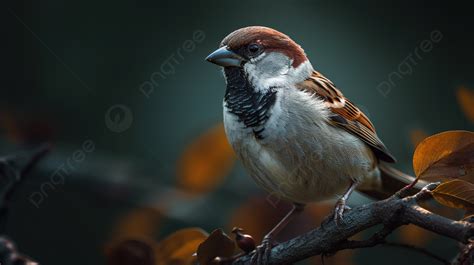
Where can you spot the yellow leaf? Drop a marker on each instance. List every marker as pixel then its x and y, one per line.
pixel 218 244
pixel 206 162
pixel 455 194
pixel 445 155
pixel 179 247
pixel 466 101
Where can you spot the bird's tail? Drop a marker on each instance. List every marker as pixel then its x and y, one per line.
pixel 392 180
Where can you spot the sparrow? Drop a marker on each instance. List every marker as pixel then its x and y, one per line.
pixel 293 130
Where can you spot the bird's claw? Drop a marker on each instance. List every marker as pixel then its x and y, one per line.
pixel 339 210
pixel 262 253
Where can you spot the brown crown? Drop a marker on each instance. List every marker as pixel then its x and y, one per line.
pixel 272 40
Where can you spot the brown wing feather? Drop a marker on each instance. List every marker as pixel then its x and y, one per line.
pixel 345 114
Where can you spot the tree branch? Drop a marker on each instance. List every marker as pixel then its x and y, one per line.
pixel 13 171
pixel 391 213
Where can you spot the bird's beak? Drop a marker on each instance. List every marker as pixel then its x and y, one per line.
pixel 225 57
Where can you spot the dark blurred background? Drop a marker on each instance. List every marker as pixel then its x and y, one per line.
pixel 128 79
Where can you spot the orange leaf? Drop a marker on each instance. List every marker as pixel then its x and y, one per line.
pixel 179 247
pixel 417 135
pixel 415 235
pixel 138 223
pixel 469 214
pixel 445 155
pixel 206 161
pixel 218 244
pixel 258 215
pixel 455 194
pixel 466 101
pixel 131 251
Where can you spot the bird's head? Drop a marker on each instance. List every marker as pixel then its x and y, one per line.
pixel 267 56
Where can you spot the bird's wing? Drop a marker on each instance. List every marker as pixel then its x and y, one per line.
pixel 345 114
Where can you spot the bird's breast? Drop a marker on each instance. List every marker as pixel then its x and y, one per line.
pixel 301 157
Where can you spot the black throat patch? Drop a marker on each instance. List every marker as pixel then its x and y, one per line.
pixel 249 105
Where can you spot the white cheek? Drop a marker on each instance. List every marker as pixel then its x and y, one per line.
pixel 268 70
pixel 275 70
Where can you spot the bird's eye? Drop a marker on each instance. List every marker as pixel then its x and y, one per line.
pixel 254 48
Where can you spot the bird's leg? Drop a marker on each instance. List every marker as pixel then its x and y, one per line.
pixel 341 203
pixel 263 251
